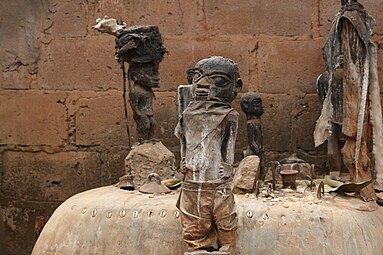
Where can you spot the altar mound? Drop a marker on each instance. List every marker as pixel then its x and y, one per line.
pixel 109 220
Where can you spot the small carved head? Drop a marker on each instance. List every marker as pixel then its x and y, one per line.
pixel 216 78
pixel 108 25
pixel 144 74
pixel 251 105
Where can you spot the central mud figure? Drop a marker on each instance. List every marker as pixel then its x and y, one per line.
pixel 207 130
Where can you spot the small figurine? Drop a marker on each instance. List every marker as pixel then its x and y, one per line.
pixel 251 105
pixel 207 130
pixel 142 47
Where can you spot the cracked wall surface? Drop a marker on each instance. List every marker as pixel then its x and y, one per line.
pixel 63 128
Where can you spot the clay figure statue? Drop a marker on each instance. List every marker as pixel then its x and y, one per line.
pixel 350 37
pixel 141 47
pixel 143 77
pixel 251 105
pixel 207 130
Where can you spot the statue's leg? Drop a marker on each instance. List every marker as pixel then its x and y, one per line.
pixel 262 173
pixel 364 171
pixel 198 229
pixel 143 125
pixel 348 154
pixel 138 102
pixel 334 156
pixel 225 218
pixel 153 125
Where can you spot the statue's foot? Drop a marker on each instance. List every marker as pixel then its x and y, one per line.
pixel 224 250
pixel 378 185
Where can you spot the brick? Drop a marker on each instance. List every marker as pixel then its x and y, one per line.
pixel 17 79
pixel 306 110
pixel 48 177
pixel 32 119
pixel 277 122
pixel 100 121
pixel 69 18
pixel 185 53
pixel 172 17
pixel 21 27
pixel 165 113
pixel 18 218
pixel 269 17
pixel 380 66
pixel 289 65
pixel 329 8
pixel 88 64
pixel 113 164
pixel 112 9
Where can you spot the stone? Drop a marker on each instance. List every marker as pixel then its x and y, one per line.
pixel 150 157
pixel 246 174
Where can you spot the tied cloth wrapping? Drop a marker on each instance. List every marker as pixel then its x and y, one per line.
pixel 210 129
pixel 362 23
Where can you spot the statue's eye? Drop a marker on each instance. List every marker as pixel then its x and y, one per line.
pixel 256 102
pixel 219 80
pixel 196 76
pixel 245 105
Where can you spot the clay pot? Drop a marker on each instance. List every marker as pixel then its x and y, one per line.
pixel 289 178
pixel 295 163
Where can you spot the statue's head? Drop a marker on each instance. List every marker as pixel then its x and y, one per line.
pixel 144 74
pixel 251 105
pixel 216 78
pixel 344 2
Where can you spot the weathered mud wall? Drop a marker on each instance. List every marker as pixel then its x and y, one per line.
pixel 61 110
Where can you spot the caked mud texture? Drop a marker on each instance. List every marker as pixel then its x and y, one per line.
pixel 109 220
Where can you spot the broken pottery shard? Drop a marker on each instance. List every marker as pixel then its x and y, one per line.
pixel 147 158
pixel 351 187
pixel 247 173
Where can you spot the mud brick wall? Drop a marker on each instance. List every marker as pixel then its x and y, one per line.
pixel 62 121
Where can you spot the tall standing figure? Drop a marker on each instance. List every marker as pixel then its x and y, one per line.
pixel 251 105
pixel 207 130
pixel 350 37
pixel 142 47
